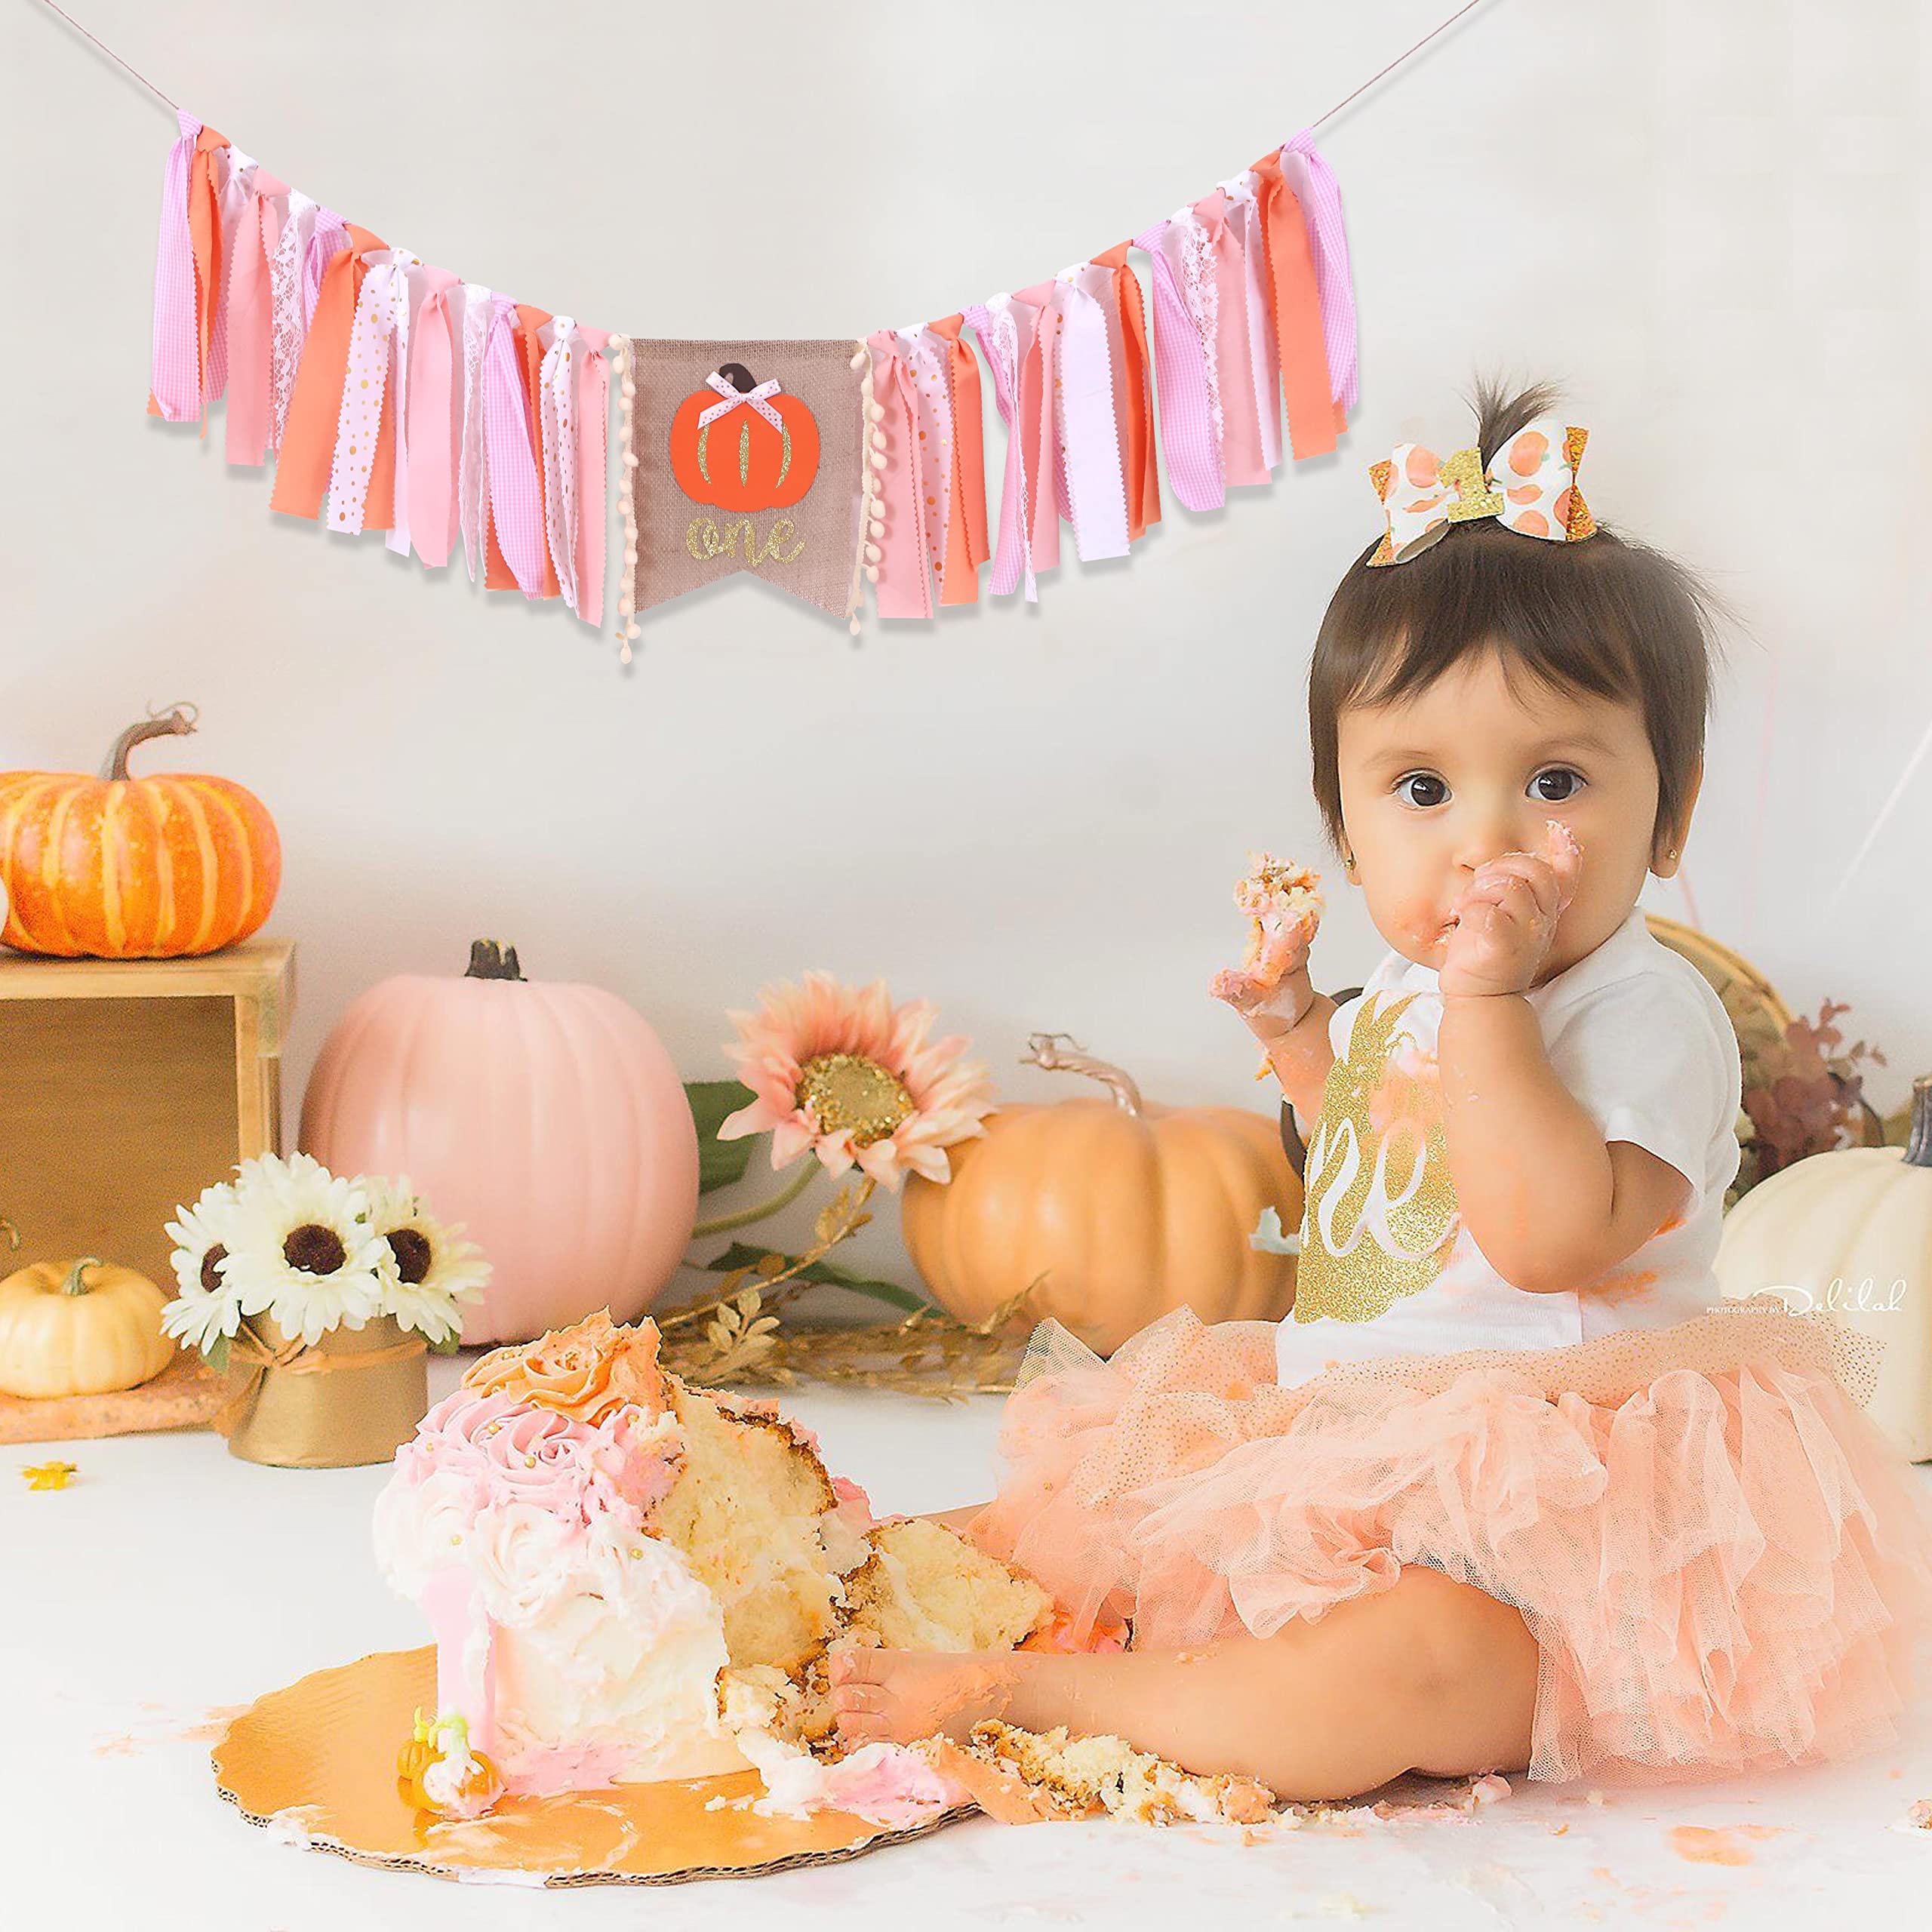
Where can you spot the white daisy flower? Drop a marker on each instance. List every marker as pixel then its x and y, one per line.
pixel 208 1308
pixel 302 1250
pixel 426 1270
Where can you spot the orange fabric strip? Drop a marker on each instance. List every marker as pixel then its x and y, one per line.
pixel 308 443
pixel 529 321
pixel 1139 470
pixel 1313 417
pixel 966 546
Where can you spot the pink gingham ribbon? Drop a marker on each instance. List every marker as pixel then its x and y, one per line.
pixel 176 380
pixel 511 461
pixel 1188 438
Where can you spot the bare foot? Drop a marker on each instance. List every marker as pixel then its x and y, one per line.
pixel 897 1696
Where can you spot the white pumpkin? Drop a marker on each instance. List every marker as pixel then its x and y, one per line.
pixel 1851 1230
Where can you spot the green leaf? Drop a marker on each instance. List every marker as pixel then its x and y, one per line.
pixel 719 1162
pixel 217 1355
pixel 740 1254
pixel 448 1345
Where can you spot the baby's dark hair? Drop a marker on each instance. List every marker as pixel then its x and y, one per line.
pixel 1605 615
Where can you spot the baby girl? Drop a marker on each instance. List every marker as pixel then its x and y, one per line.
pixel 1509 1488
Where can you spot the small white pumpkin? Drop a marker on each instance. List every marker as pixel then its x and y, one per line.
pixel 84 1327
pixel 1851 1230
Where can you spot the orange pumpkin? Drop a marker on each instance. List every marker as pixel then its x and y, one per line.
pixel 1121 1208
pixel 478 1788
pixel 738 461
pixel 122 868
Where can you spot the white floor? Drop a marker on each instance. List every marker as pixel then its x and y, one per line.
pixel 172 1583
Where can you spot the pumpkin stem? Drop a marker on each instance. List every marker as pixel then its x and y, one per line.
pixel 177 722
pixel 740 378
pixel 1918 1146
pixel 491 959
pixel 73 1285
pixel 1043 1050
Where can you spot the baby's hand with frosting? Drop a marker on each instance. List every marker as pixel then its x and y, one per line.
pixel 1505 920
pixel 1270 988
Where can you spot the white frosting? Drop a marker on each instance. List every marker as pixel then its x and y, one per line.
pixel 606 1647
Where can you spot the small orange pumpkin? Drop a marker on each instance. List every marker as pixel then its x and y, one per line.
pixel 738 461
pixel 1121 1209
pixel 481 1784
pixel 122 868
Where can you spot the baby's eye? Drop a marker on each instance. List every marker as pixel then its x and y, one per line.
pixel 1557 785
pixel 1428 789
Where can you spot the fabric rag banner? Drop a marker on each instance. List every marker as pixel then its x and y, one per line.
pixel 400 397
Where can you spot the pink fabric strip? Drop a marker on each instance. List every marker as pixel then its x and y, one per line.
pixel 592 411
pixel 250 320
pixel 431 425
pixel 1039 401
pixel 1000 324
pixel 1244 216
pixel 176 378
pixel 1187 431
pixel 927 356
pixel 1241 458
pixel 1320 195
pixel 237 174
pixel 515 508
pixel 904 589
pixel 327 240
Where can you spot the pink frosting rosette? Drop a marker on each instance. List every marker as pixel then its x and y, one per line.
pixel 511 1452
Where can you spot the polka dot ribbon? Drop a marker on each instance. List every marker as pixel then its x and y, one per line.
pixel 378 363
pixel 1530 488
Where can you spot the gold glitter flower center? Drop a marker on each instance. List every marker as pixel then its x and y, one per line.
pixel 847 1091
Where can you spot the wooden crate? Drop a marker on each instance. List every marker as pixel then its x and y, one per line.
pixel 127 1086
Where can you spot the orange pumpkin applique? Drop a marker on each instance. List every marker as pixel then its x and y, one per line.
pixel 740 444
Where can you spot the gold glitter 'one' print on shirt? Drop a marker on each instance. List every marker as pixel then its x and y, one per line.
pixel 1381 1214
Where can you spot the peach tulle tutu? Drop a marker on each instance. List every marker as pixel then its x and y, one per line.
pixel 1726 1566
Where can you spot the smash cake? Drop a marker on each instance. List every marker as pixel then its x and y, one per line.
pixel 629 1579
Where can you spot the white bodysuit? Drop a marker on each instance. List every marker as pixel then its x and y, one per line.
pixel 1639 1036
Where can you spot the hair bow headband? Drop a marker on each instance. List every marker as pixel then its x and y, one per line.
pixel 1530 488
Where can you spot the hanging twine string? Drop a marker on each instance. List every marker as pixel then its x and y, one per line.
pixel 1381 73
pixel 115 57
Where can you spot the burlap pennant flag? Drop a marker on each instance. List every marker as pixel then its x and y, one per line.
pixel 750 457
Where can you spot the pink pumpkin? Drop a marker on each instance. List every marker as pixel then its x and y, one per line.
pixel 546 1117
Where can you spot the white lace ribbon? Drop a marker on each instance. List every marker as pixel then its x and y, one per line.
pixel 473 479
pixel 556 387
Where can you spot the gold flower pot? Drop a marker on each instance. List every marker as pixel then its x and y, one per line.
pixel 353 1398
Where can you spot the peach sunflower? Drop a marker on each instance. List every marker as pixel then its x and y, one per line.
pixel 841 1072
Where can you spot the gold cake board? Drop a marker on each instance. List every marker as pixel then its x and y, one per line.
pixel 316 1760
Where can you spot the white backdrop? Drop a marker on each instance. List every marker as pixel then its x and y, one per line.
pixel 1711 221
